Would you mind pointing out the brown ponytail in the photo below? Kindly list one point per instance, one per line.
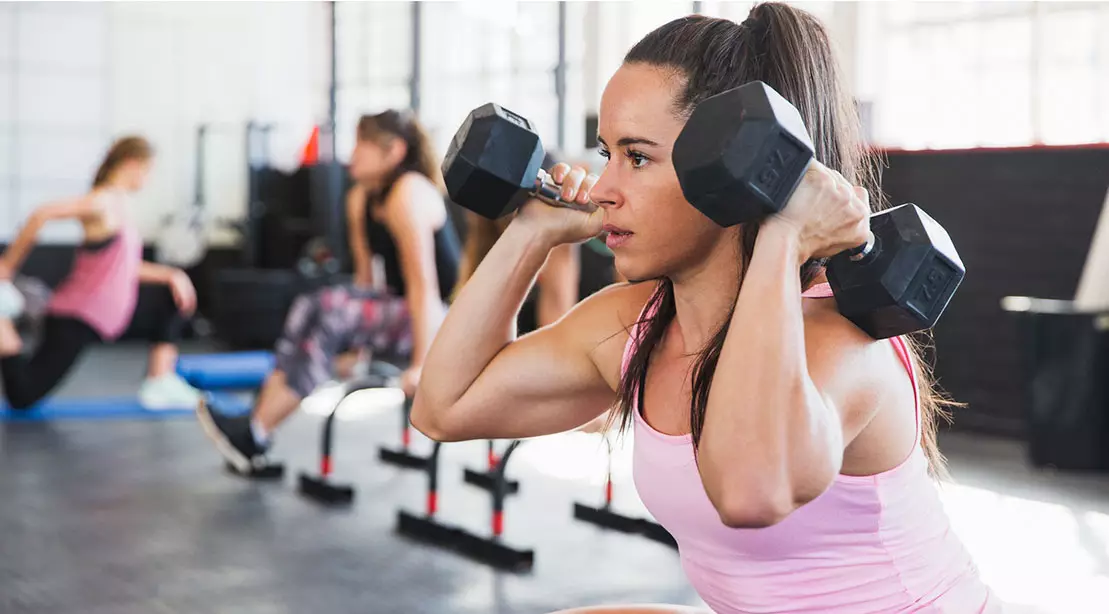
(790, 51)
(125, 149)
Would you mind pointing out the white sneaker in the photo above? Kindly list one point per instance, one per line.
(11, 301)
(169, 391)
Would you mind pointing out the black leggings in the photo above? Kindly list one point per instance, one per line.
(28, 379)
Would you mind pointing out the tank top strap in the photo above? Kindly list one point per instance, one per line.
(823, 290)
(905, 355)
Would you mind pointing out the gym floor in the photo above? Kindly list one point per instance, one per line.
(129, 517)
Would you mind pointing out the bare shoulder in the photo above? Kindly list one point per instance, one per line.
(601, 324)
(415, 188)
(414, 196)
(848, 365)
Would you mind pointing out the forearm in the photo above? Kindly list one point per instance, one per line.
(362, 262)
(558, 285)
(152, 273)
(17, 252)
(482, 319)
(769, 437)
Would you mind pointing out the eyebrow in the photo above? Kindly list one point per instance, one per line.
(629, 140)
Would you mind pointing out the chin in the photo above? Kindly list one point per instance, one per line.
(637, 272)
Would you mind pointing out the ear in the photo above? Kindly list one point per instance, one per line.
(398, 149)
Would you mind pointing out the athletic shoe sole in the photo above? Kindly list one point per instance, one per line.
(229, 452)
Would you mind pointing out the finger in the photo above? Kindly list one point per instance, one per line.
(585, 194)
(559, 171)
(572, 183)
(838, 176)
(863, 195)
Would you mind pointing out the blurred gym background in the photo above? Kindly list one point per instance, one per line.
(992, 116)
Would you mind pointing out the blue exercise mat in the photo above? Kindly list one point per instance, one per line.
(231, 371)
(120, 408)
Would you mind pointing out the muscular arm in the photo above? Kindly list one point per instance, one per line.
(356, 235)
(558, 284)
(80, 208)
(783, 404)
(479, 381)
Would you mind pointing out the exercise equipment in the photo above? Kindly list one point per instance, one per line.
(491, 478)
(182, 242)
(317, 259)
(606, 518)
(403, 456)
(232, 372)
(489, 550)
(494, 164)
(227, 371)
(11, 301)
(112, 408)
(320, 488)
(739, 158)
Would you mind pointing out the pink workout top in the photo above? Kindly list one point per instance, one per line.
(874, 544)
(103, 285)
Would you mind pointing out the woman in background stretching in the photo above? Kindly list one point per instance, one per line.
(96, 301)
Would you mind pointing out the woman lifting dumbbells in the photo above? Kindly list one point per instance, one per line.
(397, 211)
(98, 297)
(788, 452)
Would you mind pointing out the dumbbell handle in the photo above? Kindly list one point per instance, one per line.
(855, 254)
(550, 192)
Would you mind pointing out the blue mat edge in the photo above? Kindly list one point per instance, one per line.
(114, 408)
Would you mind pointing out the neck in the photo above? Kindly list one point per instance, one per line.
(706, 294)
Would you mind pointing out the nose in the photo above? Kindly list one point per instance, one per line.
(606, 192)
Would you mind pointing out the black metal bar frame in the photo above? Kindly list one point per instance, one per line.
(489, 550)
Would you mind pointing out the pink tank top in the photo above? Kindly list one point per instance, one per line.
(874, 544)
(103, 285)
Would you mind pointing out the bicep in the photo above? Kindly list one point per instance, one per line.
(559, 282)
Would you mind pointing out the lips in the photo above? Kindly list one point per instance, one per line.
(616, 236)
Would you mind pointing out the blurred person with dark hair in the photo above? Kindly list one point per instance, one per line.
(97, 299)
(397, 211)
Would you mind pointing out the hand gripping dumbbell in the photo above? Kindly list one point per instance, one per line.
(739, 158)
(494, 164)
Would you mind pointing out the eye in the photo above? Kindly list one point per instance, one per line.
(638, 159)
(604, 153)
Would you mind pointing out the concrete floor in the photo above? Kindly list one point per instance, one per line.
(136, 516)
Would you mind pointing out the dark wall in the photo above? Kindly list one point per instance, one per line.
(1022, 220)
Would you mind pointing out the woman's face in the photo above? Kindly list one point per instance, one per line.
(132, 174)
(371, 162)
(658, 233)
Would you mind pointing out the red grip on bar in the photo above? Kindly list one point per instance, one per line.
(406, 438)
(492, 460)
(498, 523)
(608, 491)
(325, 466)
(432, 503)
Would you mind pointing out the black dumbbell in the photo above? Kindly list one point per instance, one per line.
(739, 158)
(494, 164)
